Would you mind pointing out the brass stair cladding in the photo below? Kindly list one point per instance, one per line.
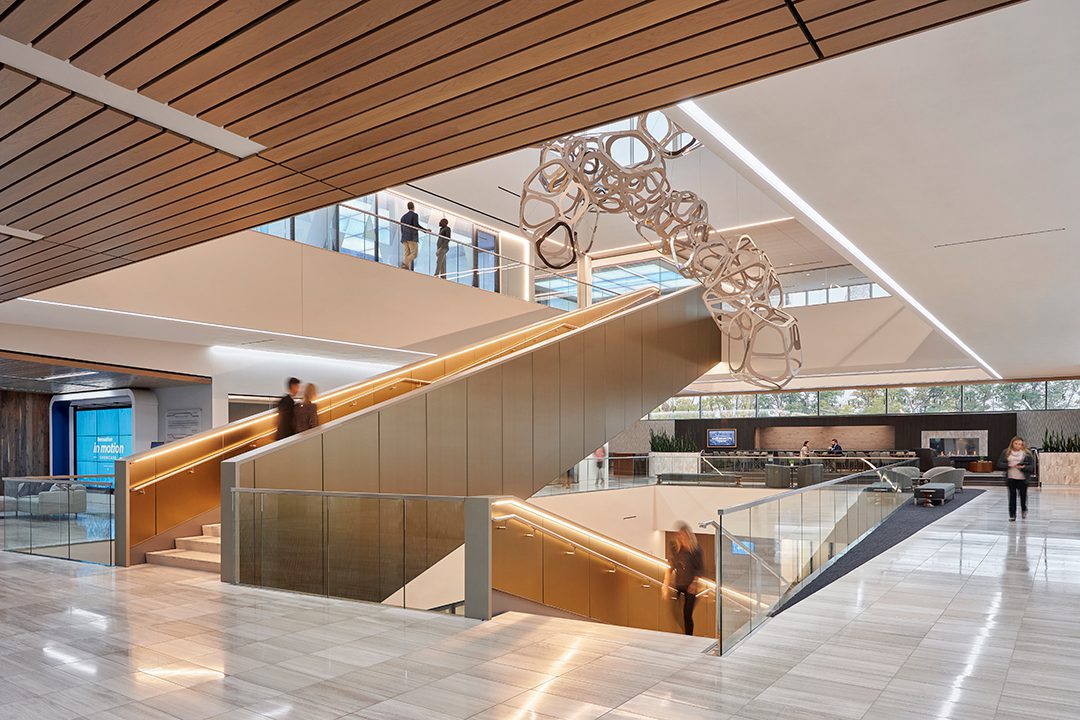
(511, 425)
(174, 485)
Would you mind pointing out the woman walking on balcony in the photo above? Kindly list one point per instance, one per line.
(687, 565)
(306, 414)
(1017, 462)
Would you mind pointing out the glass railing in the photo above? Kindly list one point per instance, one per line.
(775, 470)
(767, 549)
(401, 550)
(65, 516)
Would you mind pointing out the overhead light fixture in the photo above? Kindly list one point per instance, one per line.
(199, 323)
(16, 232)
(59, 72)
(62, 376)
(726, 139)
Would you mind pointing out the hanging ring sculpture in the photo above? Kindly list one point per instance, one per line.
(579, 174)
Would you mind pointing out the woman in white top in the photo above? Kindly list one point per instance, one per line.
(804, 452)
(1017, 461)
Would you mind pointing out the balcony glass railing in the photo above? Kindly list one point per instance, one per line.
(767, 549)
(63, 516)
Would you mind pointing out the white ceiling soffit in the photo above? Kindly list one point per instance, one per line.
(948, 159)
(64, 74)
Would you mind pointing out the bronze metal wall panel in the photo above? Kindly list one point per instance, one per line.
(353, 548)
(296, 465)
(290, 544)
(615, 384)
(391, 547)
(545, 394)
(402, 448)
(447, 442)
(571, 402)
(485, 420)
(351, 456)
(596, 366)
(566, 573)
(651, 387)
(609, 591)
(517, 423)
(634, 407)
(517, 559)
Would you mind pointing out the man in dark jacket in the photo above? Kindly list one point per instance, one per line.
(410, 236)
(286, 408)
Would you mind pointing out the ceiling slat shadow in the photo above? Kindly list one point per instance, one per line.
(348, 97)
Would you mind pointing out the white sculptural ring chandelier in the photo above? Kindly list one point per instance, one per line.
(579, 175)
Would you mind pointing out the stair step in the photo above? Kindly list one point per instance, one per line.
(213, 530)
(201, 543)
(189, 559)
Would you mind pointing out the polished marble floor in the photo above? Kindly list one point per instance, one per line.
(971, 618)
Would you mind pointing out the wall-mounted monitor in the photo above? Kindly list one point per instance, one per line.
(102, 436)
(721, 438)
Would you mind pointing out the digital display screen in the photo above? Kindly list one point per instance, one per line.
(742, 547)
(102, 436)
(721, 438)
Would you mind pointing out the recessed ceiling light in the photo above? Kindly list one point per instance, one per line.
(726, 139)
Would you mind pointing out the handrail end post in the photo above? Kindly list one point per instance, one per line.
(121, 515)
(478, 540)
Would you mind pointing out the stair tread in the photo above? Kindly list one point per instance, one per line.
(193, 554)
(203, 538)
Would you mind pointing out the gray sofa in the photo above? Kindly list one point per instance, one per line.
(58, 500)
(941, 474)
(902, 477)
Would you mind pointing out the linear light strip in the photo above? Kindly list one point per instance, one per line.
(59, 72)
(199, 323)
(16, 232)
(728, 141)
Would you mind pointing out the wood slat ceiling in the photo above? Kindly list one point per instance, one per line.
(50, 375)
(349, 97)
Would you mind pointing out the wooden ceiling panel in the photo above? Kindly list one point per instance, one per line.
(552, 104)
(156, 21)
(574, 79)
(283, 58)
(349, 96)
(624, 35)
(121, 172)
(26, 21)
(291, 93)
(85, 25)
(780, 62)
(242, 48)
(441, 44)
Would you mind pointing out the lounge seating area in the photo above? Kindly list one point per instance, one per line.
(57, 500)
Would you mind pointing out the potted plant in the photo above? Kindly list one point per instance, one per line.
(672, 454)
(1059, 459)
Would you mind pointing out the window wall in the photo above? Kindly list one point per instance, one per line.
(367, 227)
(980, 397)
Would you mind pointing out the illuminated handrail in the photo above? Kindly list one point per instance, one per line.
(486, 351)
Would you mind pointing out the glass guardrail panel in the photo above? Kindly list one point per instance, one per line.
(289, 542)
(434, 553)
(60, 518)
(738, 587)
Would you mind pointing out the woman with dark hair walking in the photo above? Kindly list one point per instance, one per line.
(1017, 462)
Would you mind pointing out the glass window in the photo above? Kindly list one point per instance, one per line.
(838, 294)
(816, 297)
(1004, 396)
(727, 406)
(1062, 394)
(876, 291)
(357, 228)
(861, 401)
(787, 404)
(859, 292)
(679, 408)
(487, 260)
(316, 228)
(795, 299)
(278, 228)
(927, 399)
(389, 231)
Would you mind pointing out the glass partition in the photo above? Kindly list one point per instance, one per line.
(767, 549)
(401, 550)
(70, 517)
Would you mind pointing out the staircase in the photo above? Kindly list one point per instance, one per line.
(202, 552)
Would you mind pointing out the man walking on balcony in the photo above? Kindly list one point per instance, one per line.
(286, 410)
(410, 236)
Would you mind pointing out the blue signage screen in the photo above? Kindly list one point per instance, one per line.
(721, 438)
(102, 436)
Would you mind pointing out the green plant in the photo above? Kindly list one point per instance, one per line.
(663, 442)
(1060, 443)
